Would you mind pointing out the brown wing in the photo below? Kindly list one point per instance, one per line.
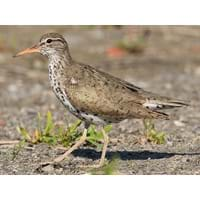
(99, 93)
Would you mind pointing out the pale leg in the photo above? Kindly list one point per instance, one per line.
(103, 154)
(75, 146)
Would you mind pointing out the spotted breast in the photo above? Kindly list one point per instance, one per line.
(54, 77)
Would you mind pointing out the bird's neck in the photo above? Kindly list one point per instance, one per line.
(59, 64)
(61, 57)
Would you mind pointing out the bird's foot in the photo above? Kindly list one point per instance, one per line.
(93, 166)
(56, 161)
(60, 158)
(43, 164)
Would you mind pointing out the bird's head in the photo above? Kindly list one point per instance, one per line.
(49, 45)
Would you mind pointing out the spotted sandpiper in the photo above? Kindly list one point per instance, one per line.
(94, 96)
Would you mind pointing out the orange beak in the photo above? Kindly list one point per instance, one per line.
(28, 50)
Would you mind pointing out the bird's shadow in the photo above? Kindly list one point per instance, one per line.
(127, 155)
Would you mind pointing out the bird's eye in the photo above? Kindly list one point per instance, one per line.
(49, 41)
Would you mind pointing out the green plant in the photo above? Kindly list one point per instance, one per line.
(47, 131)
(18, 148)
(50, 133)
(95, 137)
(154, 136)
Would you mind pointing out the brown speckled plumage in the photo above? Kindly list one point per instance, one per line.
(95, 96)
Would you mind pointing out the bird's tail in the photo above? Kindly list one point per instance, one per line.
(164, 103)
(154, 106)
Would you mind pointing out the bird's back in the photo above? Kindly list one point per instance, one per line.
(100, 94)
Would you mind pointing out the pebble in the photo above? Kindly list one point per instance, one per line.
(179, 123)
(48, 169)
(169, 143)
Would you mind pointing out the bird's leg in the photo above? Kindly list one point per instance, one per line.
(75, 146)
(103, 154)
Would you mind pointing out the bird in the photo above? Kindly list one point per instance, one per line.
(94, 96)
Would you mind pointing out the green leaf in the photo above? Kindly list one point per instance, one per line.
(108, 128)
(18, 148)
(49, 124)
(24, 133)
(39, 121)
(74, 126)
(60, 131)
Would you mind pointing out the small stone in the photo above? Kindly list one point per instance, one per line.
(169, 143)
(179, 123)
(48, 169)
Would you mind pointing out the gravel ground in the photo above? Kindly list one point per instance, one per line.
(170, 65)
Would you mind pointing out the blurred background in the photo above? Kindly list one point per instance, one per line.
(161, 59)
